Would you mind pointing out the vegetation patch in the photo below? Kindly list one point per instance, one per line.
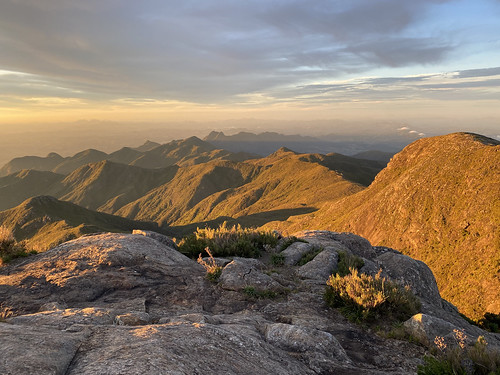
(5, 313)
(307, 257)
(9, 248)
(213, 270)
(364, 298)
(278, 259)
(347, 262)
(490, 322)
(228, 241)
(251, 292)
(461, 358)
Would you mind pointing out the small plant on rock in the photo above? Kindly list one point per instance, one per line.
(213, 270)
(363, 298)
(5, 313)
(251, 292)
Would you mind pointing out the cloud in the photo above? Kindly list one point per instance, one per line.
(208, 51)
(479, 72)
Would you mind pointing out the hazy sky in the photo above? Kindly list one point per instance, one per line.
(163, 60)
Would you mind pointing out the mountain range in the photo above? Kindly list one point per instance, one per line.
(438, 200)
(267, 142)
(150, 155)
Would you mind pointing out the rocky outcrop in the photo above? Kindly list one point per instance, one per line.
(132, 304)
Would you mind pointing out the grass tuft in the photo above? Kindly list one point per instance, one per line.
(228, 241)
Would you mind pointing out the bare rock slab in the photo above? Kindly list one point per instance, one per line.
(241, 273)
(182, 349)
(37, 350)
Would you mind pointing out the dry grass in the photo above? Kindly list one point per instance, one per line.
(6, 238)
(228, 241)
(364, 298)
(213, 270)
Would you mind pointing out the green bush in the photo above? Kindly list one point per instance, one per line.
(364, 298)
(434, 366)
(228, 241)
(278, 259)
(348, 261)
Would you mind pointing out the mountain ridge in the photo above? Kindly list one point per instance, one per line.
(438, 200)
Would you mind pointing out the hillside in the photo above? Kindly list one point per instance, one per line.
(38, 163)
(184, 152)
(19, 186)
(273, 188)
(438, 201)
(107, 186)
(188, 151)
(45, 222)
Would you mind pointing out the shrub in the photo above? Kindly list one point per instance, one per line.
(278, 259)
(461, 359)
(364, 298)
(348, 261)
(9, 249)
(7, 240)
(213, 270)
(228, 241)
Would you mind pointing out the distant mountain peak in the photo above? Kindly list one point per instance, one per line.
(214, 136)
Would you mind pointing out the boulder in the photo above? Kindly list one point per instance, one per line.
(135, 318)
(99, 271)
(295, 251)
(321, 267)
(412, 272)
(242, 273)
(355, 244)
(167, 241)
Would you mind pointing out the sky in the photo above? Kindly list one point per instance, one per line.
(417, 63)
